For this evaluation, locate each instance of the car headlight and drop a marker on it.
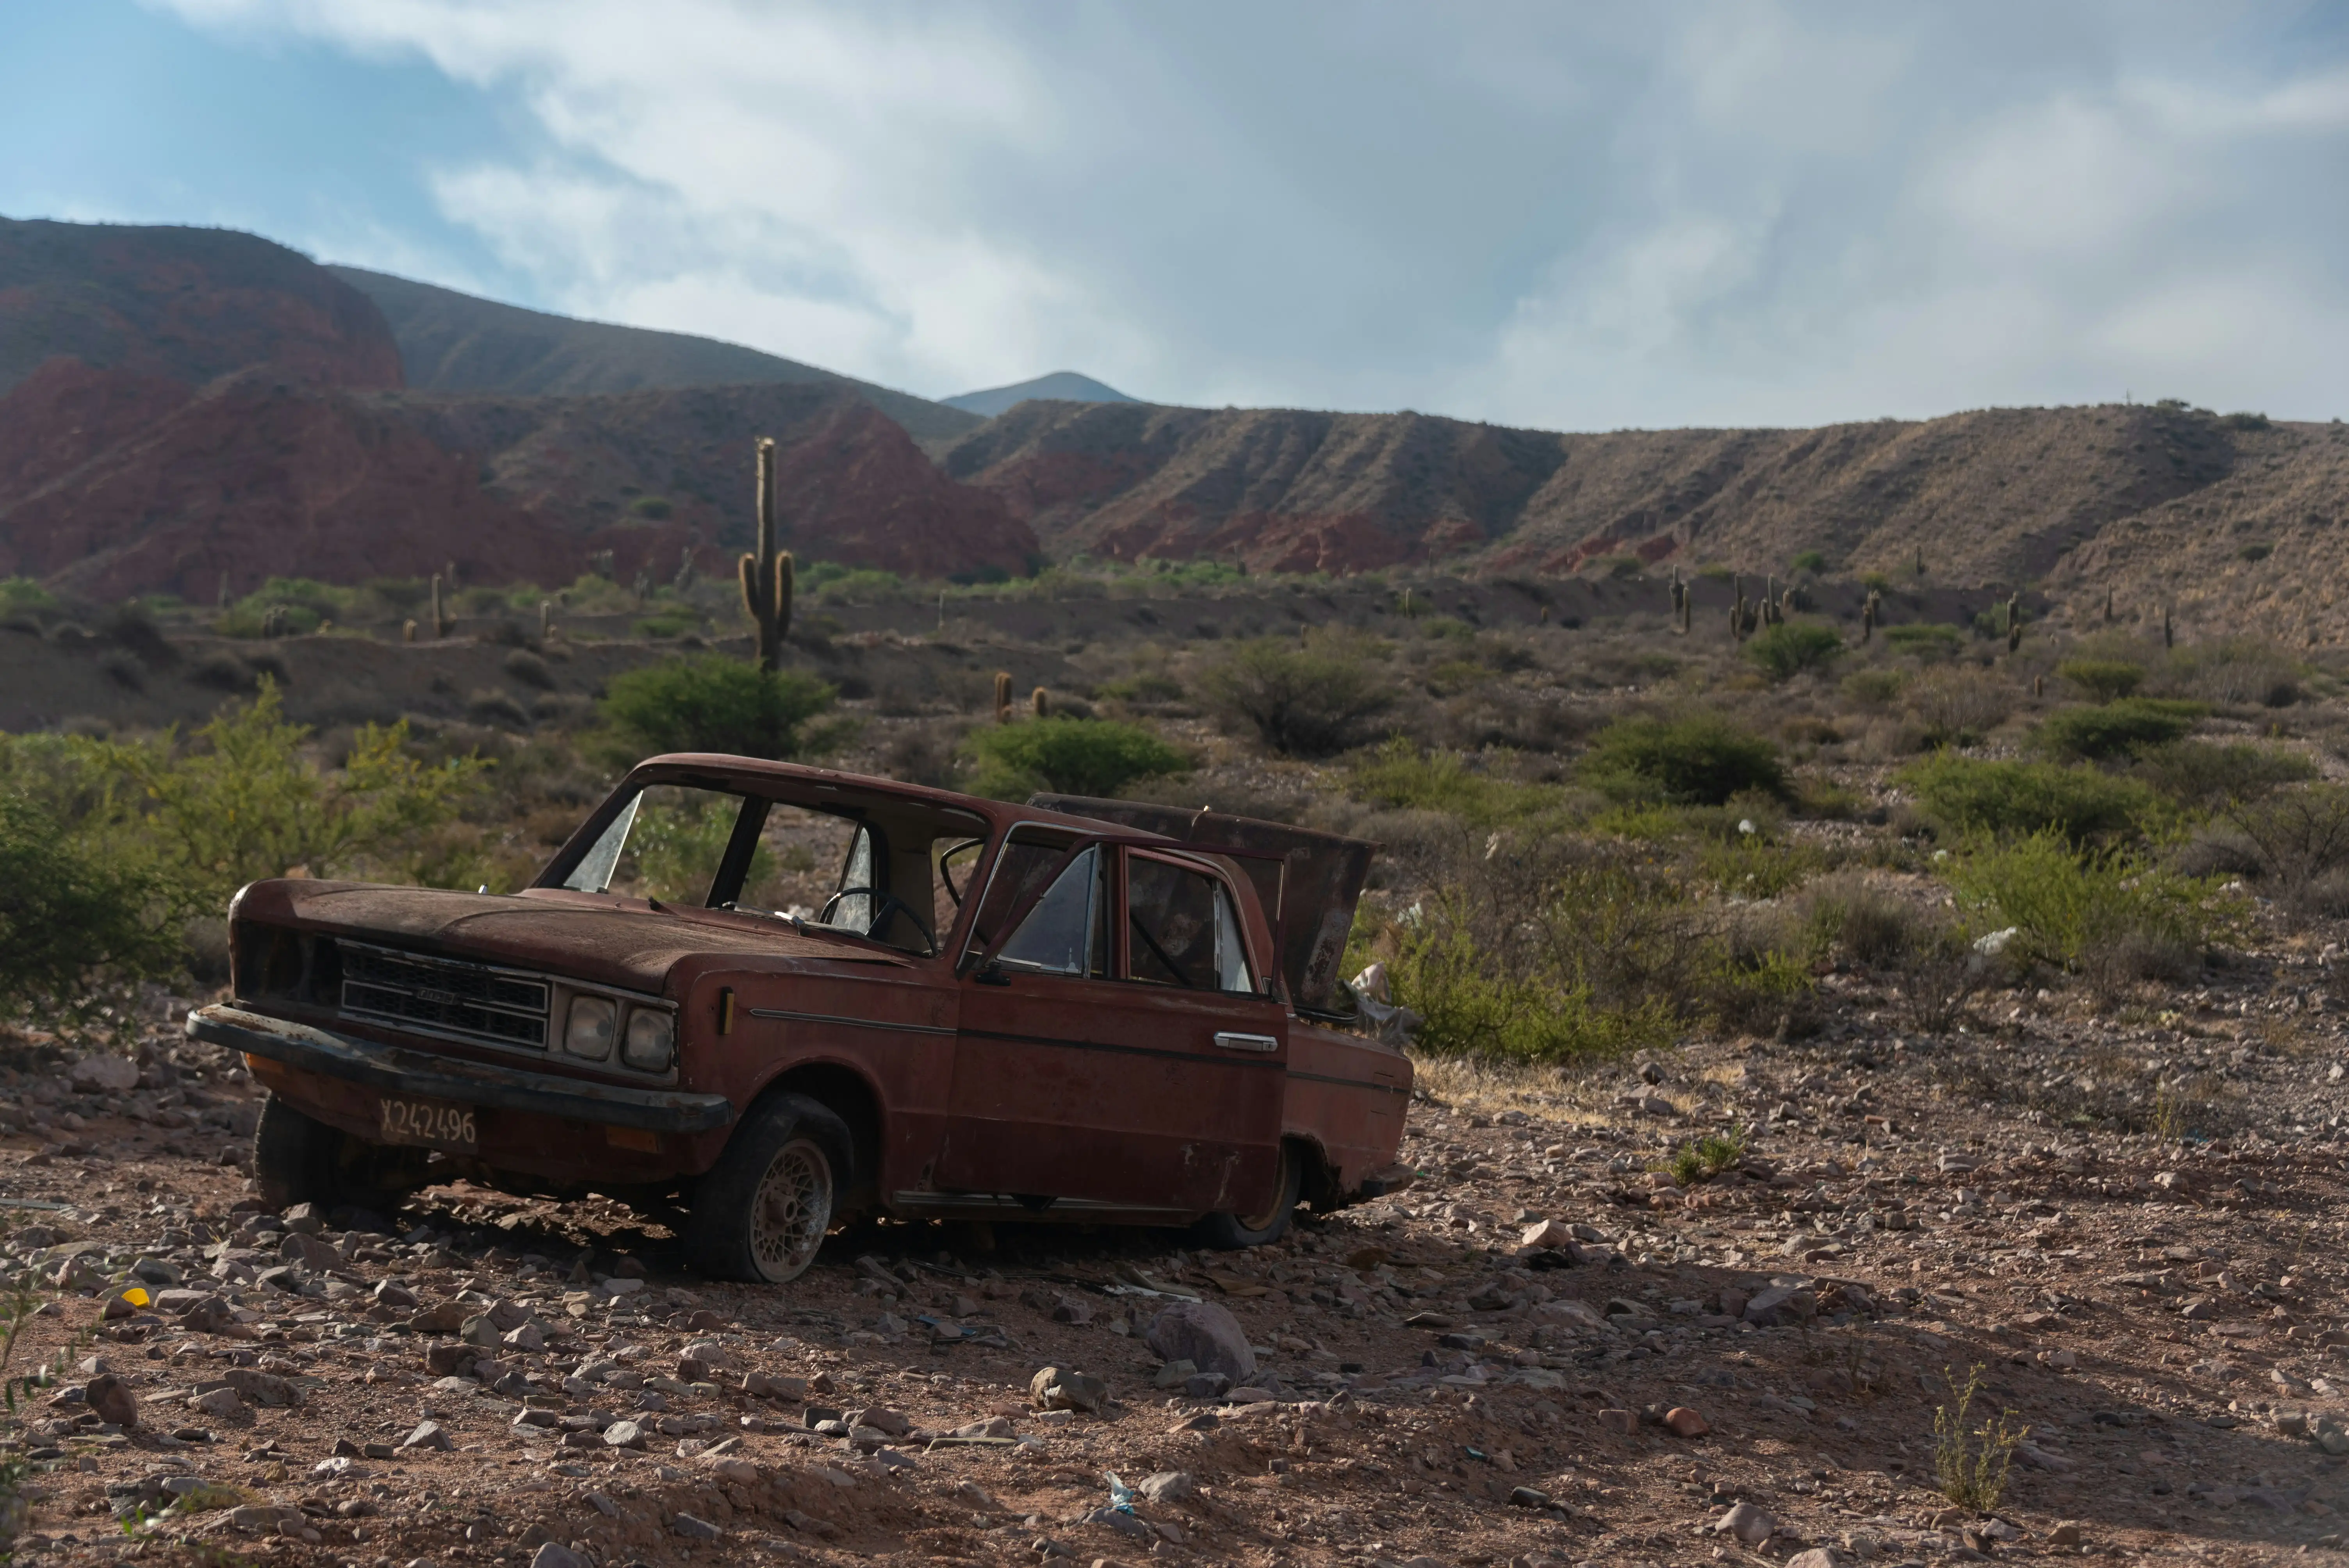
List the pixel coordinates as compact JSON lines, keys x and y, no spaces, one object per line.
{"x":593,"y":1021}
{"x":649,"y":1032}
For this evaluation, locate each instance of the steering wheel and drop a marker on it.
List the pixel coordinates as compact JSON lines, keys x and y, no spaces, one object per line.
{"x":887,"y":902}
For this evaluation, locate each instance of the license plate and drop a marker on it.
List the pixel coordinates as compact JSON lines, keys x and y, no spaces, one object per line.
{"x":428,"y":1123}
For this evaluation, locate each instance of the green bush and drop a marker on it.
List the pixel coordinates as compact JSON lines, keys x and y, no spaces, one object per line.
{"x":77,"y":923}
{"x":1970,"y":796}
{"x":1067,"y":755}
{"x":304,"y":602}
{"x":2079,"y":909}
{"x":721,"y":705}
{"x":1789,"y":648}
{"x":674,"y":622}
{"x":1696,"y":760}
{"x":1466,"y":1009}
{"x":1401,"y":777}
{"x":1811,"y":561}
{"x":1312,"y":699}
{"x":246,"y":802}
{"x":1927,"y":640}
{"x":2120,"y":729}
{"x":2103,"y":680}
{"x":2201,"y":776}
{"x":1873,"y":687}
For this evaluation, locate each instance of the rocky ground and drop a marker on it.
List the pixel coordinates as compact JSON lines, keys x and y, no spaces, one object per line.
{"x":1546,"y":1351}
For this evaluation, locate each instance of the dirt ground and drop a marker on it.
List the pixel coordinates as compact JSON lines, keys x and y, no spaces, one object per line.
{"x":2161,"y":1314}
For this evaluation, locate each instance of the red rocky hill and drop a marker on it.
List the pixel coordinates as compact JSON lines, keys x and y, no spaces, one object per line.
{"x":186,"y":304}
{"x":182,"y":406}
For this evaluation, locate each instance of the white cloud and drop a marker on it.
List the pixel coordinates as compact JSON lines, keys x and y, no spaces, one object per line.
{"x":1765,"y":211}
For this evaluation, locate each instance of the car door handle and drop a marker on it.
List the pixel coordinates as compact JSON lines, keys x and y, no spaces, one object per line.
{"x":1232,"y":1042}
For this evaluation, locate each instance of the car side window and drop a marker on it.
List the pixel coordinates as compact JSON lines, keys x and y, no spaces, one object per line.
{"x":1064,"y":933}
{"x":1181,"y":928}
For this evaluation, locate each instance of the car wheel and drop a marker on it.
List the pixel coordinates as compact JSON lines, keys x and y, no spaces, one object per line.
{"x":297,"y":1158}
{"x":1228,"y":1232}
{"x":762,"y":1211}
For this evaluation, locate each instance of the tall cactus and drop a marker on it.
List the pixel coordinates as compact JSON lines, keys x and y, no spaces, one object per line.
{"x":1868,"y":616}
{"x":2014,"y":622}
{"x":767,"y":576}
{"x":2168,"y":635}
{"x":1003,"y":697}
{"x":442,"y":624}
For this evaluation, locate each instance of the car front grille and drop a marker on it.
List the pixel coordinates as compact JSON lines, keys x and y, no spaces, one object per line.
{"x":469,"y":1001}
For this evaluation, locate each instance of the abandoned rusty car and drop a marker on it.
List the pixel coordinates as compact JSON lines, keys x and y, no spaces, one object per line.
{"x":785,"y":996}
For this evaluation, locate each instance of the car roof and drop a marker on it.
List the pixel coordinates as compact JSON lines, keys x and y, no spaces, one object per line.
{"x":748,"y":773}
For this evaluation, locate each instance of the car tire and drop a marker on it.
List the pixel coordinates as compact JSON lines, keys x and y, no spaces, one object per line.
{"x":761,"y":1212}
{"x":1230,"y":1233}
{"x":297,"y":1158}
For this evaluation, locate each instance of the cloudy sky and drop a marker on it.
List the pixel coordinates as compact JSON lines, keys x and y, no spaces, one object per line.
{"x":1579,"y":217}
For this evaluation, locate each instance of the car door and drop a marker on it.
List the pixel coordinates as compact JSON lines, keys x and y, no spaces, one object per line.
{"x":1095,"y":1079}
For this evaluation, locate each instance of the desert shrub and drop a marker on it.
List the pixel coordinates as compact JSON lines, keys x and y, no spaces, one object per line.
{"x":1792,"y":647}
{"x":304,"y":604}
{"x":244,"y":800}
{"x":2237,"y":671}
{"x":1970,"y":796}
{"x":1696,"y":760}
{"x":1873,"y":687}
{"x":1811,"y":561}
{"x":1959,"y":705}
{"x":923,"y":753}
{"x":721,"y":705}
{"x":77,"y":923}
{"x":2120,"y":729}
{"x":673,"y":622}
{"x":498,"y":708}
{"x":1067,"y":755}
{"x":1937,"y":978}
{"x":1755,"y":865}
{"x":1928,"y":640}
{"x":1466,"y":1009}
{"x":2300,"y":838}
{"x":2103,"y":680}
{"x":1144,"y":690}
{"x":2095,"y":911}
{"x":1399,"y":776}
{"x":1846,"y":913}
{"x":2202,"y":776}
{"x":1308,"y":699}
{"x":527,"y":668}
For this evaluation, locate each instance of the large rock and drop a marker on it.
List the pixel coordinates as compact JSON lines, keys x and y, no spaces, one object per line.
{"x":111,"y":1397}
{"x":1064,"y":1388}
{"x":105,"y":1075}
{"x":1746,"y":1522}
{"x":1206,"y":1336}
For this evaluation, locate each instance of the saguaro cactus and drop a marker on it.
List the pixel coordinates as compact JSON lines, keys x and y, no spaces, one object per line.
{"x":1868,"y":614}
{"x":2014,"y":622}
{"x":2108,"y":605}
{"x":1039,"y":702}
{"x":547,"y":620}
{"x":441,"y":623}
{"x":1003,"y":697}
{"x":2168,"y":634}
{"x":766,"y":574}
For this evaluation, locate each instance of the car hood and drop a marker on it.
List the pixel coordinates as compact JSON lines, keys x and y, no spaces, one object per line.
{"x":612,"y":942}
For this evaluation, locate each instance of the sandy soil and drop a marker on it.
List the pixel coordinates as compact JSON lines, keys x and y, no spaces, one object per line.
{"x":2161,"y":1310}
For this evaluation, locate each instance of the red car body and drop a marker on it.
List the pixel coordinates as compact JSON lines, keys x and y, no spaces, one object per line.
{"x":434,"y":1031}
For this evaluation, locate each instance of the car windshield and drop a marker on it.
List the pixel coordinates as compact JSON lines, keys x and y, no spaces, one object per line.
{"x":888,"y":870}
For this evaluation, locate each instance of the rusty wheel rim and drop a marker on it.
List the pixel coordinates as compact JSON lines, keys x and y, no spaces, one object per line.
{"x":1254,"y":1223}
{"x":790,"y":1211}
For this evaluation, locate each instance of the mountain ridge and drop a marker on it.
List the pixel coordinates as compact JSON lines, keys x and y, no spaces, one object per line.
{"x":1053,"y":387}
{"x":451,"y":341}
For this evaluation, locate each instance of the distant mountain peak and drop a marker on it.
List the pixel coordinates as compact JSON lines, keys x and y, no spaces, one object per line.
{"x":1061,"y":385}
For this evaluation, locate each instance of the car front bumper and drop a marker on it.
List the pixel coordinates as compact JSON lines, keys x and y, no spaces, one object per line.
{"x":409,"y":1072}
